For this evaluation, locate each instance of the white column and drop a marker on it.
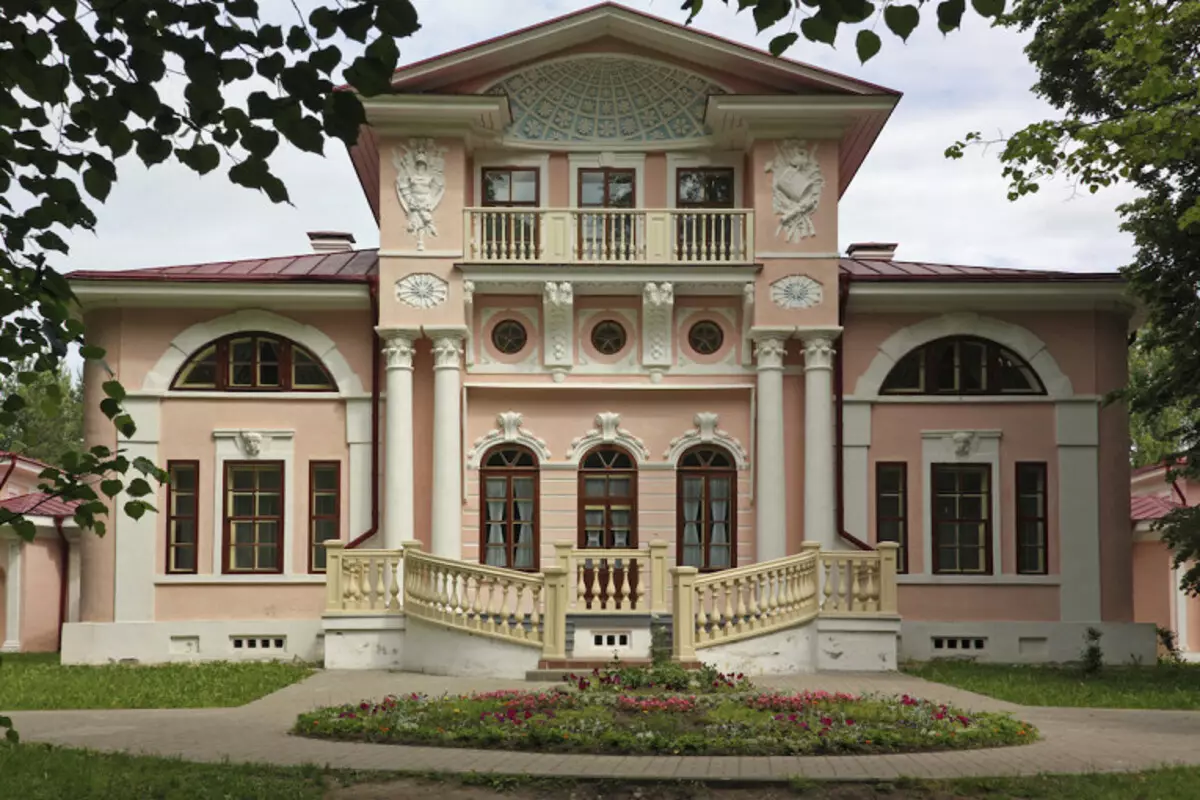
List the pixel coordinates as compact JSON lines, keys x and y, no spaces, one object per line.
{"x":820,"y":506}
{"x":447,"y":446}
{"x":398,"y":452}
{"x":770,"y":513}
{"x":12,"y":600}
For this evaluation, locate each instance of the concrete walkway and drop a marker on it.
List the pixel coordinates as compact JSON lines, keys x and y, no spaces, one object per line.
{"x":1075,"y":740}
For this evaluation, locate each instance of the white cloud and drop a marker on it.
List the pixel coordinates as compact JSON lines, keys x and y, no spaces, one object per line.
{"x":906,"y":191}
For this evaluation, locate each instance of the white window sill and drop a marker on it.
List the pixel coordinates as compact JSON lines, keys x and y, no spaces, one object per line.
{"x":978,"y":580}
{"x":242,"y":580}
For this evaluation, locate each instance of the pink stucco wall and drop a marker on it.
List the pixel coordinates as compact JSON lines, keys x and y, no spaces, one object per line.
{"x":981,"y":603}
{"x":239,"y":602}
{"x":40,"y":581}
{"x":1153,"y":585}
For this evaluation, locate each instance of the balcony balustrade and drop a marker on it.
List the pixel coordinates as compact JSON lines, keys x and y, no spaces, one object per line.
{"x":609,"y":236}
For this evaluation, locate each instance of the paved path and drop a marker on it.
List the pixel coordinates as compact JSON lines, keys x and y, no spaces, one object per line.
{"x":1076,"y":740}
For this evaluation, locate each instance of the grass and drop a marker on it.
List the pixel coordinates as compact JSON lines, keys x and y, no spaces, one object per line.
{"x":40,"y":772}
{"x":37,"y":682}
{"x":1167,"y":686}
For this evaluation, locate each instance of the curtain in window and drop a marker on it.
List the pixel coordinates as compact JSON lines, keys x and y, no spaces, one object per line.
{"x":693,"y":495}
{"x":496,"y":488}
{"x":718,"y":552}
{"x":523,"y":550}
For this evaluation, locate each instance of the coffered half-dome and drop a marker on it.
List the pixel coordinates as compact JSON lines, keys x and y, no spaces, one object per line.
{"x":606,"y":98}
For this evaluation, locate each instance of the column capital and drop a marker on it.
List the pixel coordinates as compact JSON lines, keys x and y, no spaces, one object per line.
{"x":398,"y":346}
{"x":770,"y":350}
{"x":818,"y":354}
{"x":826,"y":334}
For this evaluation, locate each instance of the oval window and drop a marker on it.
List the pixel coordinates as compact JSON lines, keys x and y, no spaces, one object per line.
{"x":608,"y":337}
{"x":706,"y":337}
{"x":509,"y":337}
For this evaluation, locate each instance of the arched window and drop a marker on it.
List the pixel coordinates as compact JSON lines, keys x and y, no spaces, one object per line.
{"x":508,"y":517}
{"x":962,"y":365}
{"x":254,"y":362}
{"x":706,"y":509}
{"x":608,"y":499}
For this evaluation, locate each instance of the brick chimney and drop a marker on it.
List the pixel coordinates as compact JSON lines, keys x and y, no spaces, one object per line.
{"x":331,"y":241}
{"x":873,"y":251}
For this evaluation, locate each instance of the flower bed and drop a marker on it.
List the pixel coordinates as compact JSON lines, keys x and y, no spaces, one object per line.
{"x":610,"y":713}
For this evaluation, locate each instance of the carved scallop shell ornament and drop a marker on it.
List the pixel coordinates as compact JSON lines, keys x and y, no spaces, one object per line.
{"x":796,"y":291}
{"x":422,"y":290}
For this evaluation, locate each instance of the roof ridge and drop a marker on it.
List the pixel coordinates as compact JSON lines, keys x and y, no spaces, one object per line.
{"x":230,"y":262}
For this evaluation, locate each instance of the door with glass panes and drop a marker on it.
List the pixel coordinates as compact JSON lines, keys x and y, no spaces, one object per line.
{"x":608,"y":521}
{"x":606,"y":231}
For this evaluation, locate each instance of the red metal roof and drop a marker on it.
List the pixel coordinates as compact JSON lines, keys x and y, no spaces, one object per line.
{"x":359,"y":266}
{"x":1143,"y":508}
{"x":39,"y":504}
{"x":7,"y":455}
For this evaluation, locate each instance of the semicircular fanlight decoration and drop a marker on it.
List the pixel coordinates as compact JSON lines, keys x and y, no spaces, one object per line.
{"x":606,"y":98}
{"x":253,"y":362}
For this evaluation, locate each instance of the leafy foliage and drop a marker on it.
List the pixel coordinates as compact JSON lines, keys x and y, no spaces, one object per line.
{"x":87,"y":85}
{"x":50,"y":424}
{"x":1156,"y":432}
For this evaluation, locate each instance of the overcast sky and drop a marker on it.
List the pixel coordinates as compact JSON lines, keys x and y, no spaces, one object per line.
{"x":907,"y":191}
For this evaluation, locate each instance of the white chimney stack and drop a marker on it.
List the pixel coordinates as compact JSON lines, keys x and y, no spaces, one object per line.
{"x":872,"y":251}
{"x":331,"y":241}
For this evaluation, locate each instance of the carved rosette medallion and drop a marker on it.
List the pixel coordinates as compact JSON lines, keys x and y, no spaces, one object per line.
{"x":796,"y":291}
{"x":422,"y":290}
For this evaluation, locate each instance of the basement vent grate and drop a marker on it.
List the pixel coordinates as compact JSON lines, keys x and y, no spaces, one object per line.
{"x":259,"y":644}
{"x":610,"y":640}
{"x":959,"y":643}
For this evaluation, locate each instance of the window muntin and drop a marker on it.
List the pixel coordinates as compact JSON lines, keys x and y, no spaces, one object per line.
{"x":607,"y":235}
{"x":508,"y":518}
{"x":608,"y":499}
{"x":1032,"y":518}
{"x":961,"y":495}
{"x":706,"y":337}
{"x":324,"y":509}
{"x":962,"y":365}
{"x":891,"y":508}
{"x":706,"y":508}
{"x":608,"y":337}
{"x":510,"y":186}
{"x":254,"y":516}
{"x":707,"y":187}
{"x":182,"y":516}
{"x":254,"y":362}
{"x":509,"y":337}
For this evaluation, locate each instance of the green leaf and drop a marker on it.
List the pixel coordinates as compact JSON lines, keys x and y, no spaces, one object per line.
{"x":135,"y":509}
{"x":111,"y":487}
{"x":298,"y":39}
{"x":110,"y":407}
{"x":203,"y":158}
{"x":768,"y":12}
{"x":867,"y":44}
{"x":782,"y":42}
{"x":949,"y":14}
{"x":989,"y":8}
{"x":92,"y":352}
{"x":138,"y":487}
{"x":819,"y":28}
{"x":13,"y":403}
{"x":902,"y":20}
{"x":97,"y":184}
{"x":114,"y":389}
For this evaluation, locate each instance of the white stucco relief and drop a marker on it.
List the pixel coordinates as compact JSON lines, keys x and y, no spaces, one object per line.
{"x":420,"y":185}
{"x":508,"y":429}
{"x":707,"y":432}
{"x":796,"y":184}
{"x":422,"y":290}
{"x":796,"y":291}
{"x":608,"y":430}
{"x":658,"y":306}
{"x":558,"y":311}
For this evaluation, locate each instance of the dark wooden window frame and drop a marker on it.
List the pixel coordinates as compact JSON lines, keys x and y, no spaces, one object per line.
{"x":1044,"y":519}
{"x":172,"y":517}
{"x":608,"y":227}
{"x":988,"y":521}
{"x":608,"y":500}
{"x":224,"y":362}
{"x":227,"y":519}
{"x":508,"y":473}
{"x":537,"y":187}
{"x":681,"y":171}
{"x":708,"y":473}
{"x":313,"y":516}
{"x":902,"y":467}
{"x":927,"y":352}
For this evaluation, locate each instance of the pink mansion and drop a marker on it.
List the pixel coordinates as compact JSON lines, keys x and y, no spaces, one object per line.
{"x":607,"y":370}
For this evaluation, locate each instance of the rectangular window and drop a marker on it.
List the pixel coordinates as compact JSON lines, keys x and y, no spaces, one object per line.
{"x":254,"y":516}
{"x":962,"y":524}
{"x":509,"y":234}
{"x":182,"y":513}
{"x":1031,"y":518}
{"x":707,"y":233}
{"x":509,"y":186}
{"x":324,"y":509}
{"x":891,"y":508}
{"x":610,"y":234}
{"x":711,"y":187}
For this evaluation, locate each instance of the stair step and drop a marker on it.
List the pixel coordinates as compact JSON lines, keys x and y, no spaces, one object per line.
{"x":554,"y":671}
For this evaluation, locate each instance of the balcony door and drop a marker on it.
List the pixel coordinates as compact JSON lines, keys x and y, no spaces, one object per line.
{"x":608,"y":521}
{"x":606,"y":231}
{"x":705,"y":234}
{"x":509,"y":234}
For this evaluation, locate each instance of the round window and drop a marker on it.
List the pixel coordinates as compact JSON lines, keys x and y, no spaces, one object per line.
{"x":608,"y":337}
{"x":509,"y":337}
{"x":706,"y":337}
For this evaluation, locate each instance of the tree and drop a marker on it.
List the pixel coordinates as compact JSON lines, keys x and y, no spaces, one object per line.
{"x":1155,"y":432}
{"x":50,"y":424}
{"x":87,"y":83}
{"x":1125,"y":77}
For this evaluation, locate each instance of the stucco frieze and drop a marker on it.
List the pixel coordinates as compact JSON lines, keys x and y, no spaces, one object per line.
{"x":796,"y":184}
{"x":420,"y":185}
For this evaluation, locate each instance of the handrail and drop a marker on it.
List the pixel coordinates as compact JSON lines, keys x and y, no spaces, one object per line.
{"x":639,"y":584}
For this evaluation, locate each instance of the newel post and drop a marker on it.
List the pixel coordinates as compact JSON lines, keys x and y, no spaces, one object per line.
{"x":407,"y":548}
{"x":554,"y":621}
{"x":334,"y":550}
{"x":888,"y":557}
{"x":683,"y":580}
{"x":658,"y":577}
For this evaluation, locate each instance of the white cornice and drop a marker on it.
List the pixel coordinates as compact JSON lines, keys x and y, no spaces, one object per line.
{"x":953,"y":295}
{"x":607,"y":280}
{"x":228,"y":295}
{"x":431,"y":114}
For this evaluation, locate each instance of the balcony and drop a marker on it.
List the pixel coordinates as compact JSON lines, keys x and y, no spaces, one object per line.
{"x":609,"y":236}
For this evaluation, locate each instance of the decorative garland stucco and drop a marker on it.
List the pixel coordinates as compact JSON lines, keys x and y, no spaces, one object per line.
{"x":1016,"y":338}
{"x":608,"y":430}
{"x":181,"y":348}
{"x":706,"y":432}
{"x":606,"y":98}
{"x":509,"y":430}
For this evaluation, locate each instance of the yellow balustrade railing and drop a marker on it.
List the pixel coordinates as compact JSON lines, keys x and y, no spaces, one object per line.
{"x":363,"y":581}
{"x":515,"y":235}
{"x":860,"y":582}
{"x":600,"y":581}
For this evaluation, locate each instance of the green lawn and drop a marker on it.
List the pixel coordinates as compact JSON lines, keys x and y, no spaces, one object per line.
{"x":38,"y":682}
{"x":39,"y":772}
{"x":1170,"y":686}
